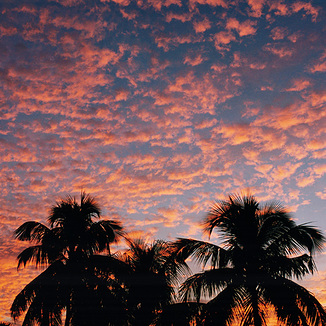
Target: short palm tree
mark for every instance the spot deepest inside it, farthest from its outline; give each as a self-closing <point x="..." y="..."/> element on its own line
<point x="67" y="248"/>
<point x="152" y="279"/>
<point x="263" y="249"/>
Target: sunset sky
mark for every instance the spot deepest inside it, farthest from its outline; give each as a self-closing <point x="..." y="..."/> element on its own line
<point x="158" y="108"/>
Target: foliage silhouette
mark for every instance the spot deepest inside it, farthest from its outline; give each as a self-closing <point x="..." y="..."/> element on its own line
<point x="72" y="281"/>
<point x="251" y="270"/>
<point x="154" y="274"/>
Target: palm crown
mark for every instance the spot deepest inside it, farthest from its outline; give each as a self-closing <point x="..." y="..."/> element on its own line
<point x="154" y="273"/>
<point x="68" y="248"/>
<point x="262" y="249"/>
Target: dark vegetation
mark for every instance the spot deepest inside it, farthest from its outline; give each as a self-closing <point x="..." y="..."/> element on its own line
<point x="249" y="273"/>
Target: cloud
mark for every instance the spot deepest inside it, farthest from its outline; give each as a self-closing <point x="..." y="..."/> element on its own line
<point x="279" y="8"/>
<point x="213" y="3"/>
<point x="184" y="17"/>
<point x="279" y="33"/>
<point x="307" y="7"/>
<point x="299" y="85"/>
<point x="279" y="50"/>
<point x="200" y="26"/>
<point x="320" y="65"/>
<point x="256" y="7"/>
<point x="244" y="28"/>
<point x="223" y="39"/>
<point x="194" y="61"/>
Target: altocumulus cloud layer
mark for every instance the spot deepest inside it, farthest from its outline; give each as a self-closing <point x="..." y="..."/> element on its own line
<point x="157" y="108"/>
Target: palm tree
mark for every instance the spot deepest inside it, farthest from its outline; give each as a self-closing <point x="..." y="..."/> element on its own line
<point x="152" y="280"/>
<point x="253" y="268"/>
<point x="71" y="282"/>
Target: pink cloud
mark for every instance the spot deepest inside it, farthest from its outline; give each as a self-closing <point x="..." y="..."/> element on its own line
<point x="123" y="3"/>
<point x="213" y="3"/>
<point x="222" y="39"/>
<point x="7" y="30"/>
<point x="294" y="37"/>
<point x="194" y="61"/>
<point x="128" y="15"/>
<point x="202" y="25"/>
<point x="264" y="168"/>
<point x="321" y="194"/>
<point x="218" y="67"/>
<point x="280" y="51"/>
<point x="181" y="17"/>
<point x="299" y="85"/>
<point x="244" y="28"/>
<point x="257" y="65"/>
<point x="279" y="8"/>
<point x="166" y="42"/>
<point x="121" y="94"/>
<point x="90" y="29"/>
<point x="307" y="7"/>
<point x="320" y="65"/>
<point x="171" y="216"/>
<point x="285" y="171"/>
<point x="317" y="98"/>
<point x="236" y="134"/>
<point x="279" y="33"/>
<point x="256" y="7"/>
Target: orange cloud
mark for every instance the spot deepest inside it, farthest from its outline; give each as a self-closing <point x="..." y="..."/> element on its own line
<point x="213" y="3"/>
<point x="194" y="61"/>
<point x="202" y="25"/>
<point x="319" y="66"/>
<point x="279" y="33"/>
<point x="244" y="28"/>
<point x="307" y="7"/>
<point x="222" y="39"/>
<point x="256" y="7"/>
<point x="280" y="51"/>
<point x="181" y="17"/>
<point x="299" y="85"/>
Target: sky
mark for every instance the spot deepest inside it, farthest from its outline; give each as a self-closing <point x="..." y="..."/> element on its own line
<point x="158" y="108"/>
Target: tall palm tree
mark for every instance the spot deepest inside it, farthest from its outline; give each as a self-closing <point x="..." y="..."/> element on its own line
<point x="263" y="249"/>
<point x="70" y="282"/>
<point x="154" y="274"/>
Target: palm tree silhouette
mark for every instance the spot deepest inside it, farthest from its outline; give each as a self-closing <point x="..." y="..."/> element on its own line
<point x="153" y="276"/>
<point x="251" y="270"/>
<point x="72" y="281"/>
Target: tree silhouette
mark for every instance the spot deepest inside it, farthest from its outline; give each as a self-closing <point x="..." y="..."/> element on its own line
<point x="72" y="281"/>
<point x="251" y="270"/>
<point x="153" y="276"/>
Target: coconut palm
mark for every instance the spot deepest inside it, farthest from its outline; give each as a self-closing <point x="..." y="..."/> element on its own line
<point x="252" y="269"/>
<point x="67" y="248"/>
<point x="153" y="276"/>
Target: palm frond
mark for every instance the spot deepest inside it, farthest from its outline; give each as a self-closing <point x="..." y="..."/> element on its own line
<point x="30" y="291"/>
<point x="285" y="266"/>
<point x="33" y="254"/>
<point x="293" y="304"/>
<point x="31" y="231"/>
<point x="224" y="308"/>
<point x="207" y="283"/>
<point x="252" y="308"/>
<point x="202" y="252"/>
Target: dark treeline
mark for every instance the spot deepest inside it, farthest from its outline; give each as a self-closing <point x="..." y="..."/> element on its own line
<point x="248" y="275"/>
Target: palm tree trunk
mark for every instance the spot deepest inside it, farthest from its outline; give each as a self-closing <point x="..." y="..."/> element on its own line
<point x="68" y="311"/>
<point x="255" y="307"/>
